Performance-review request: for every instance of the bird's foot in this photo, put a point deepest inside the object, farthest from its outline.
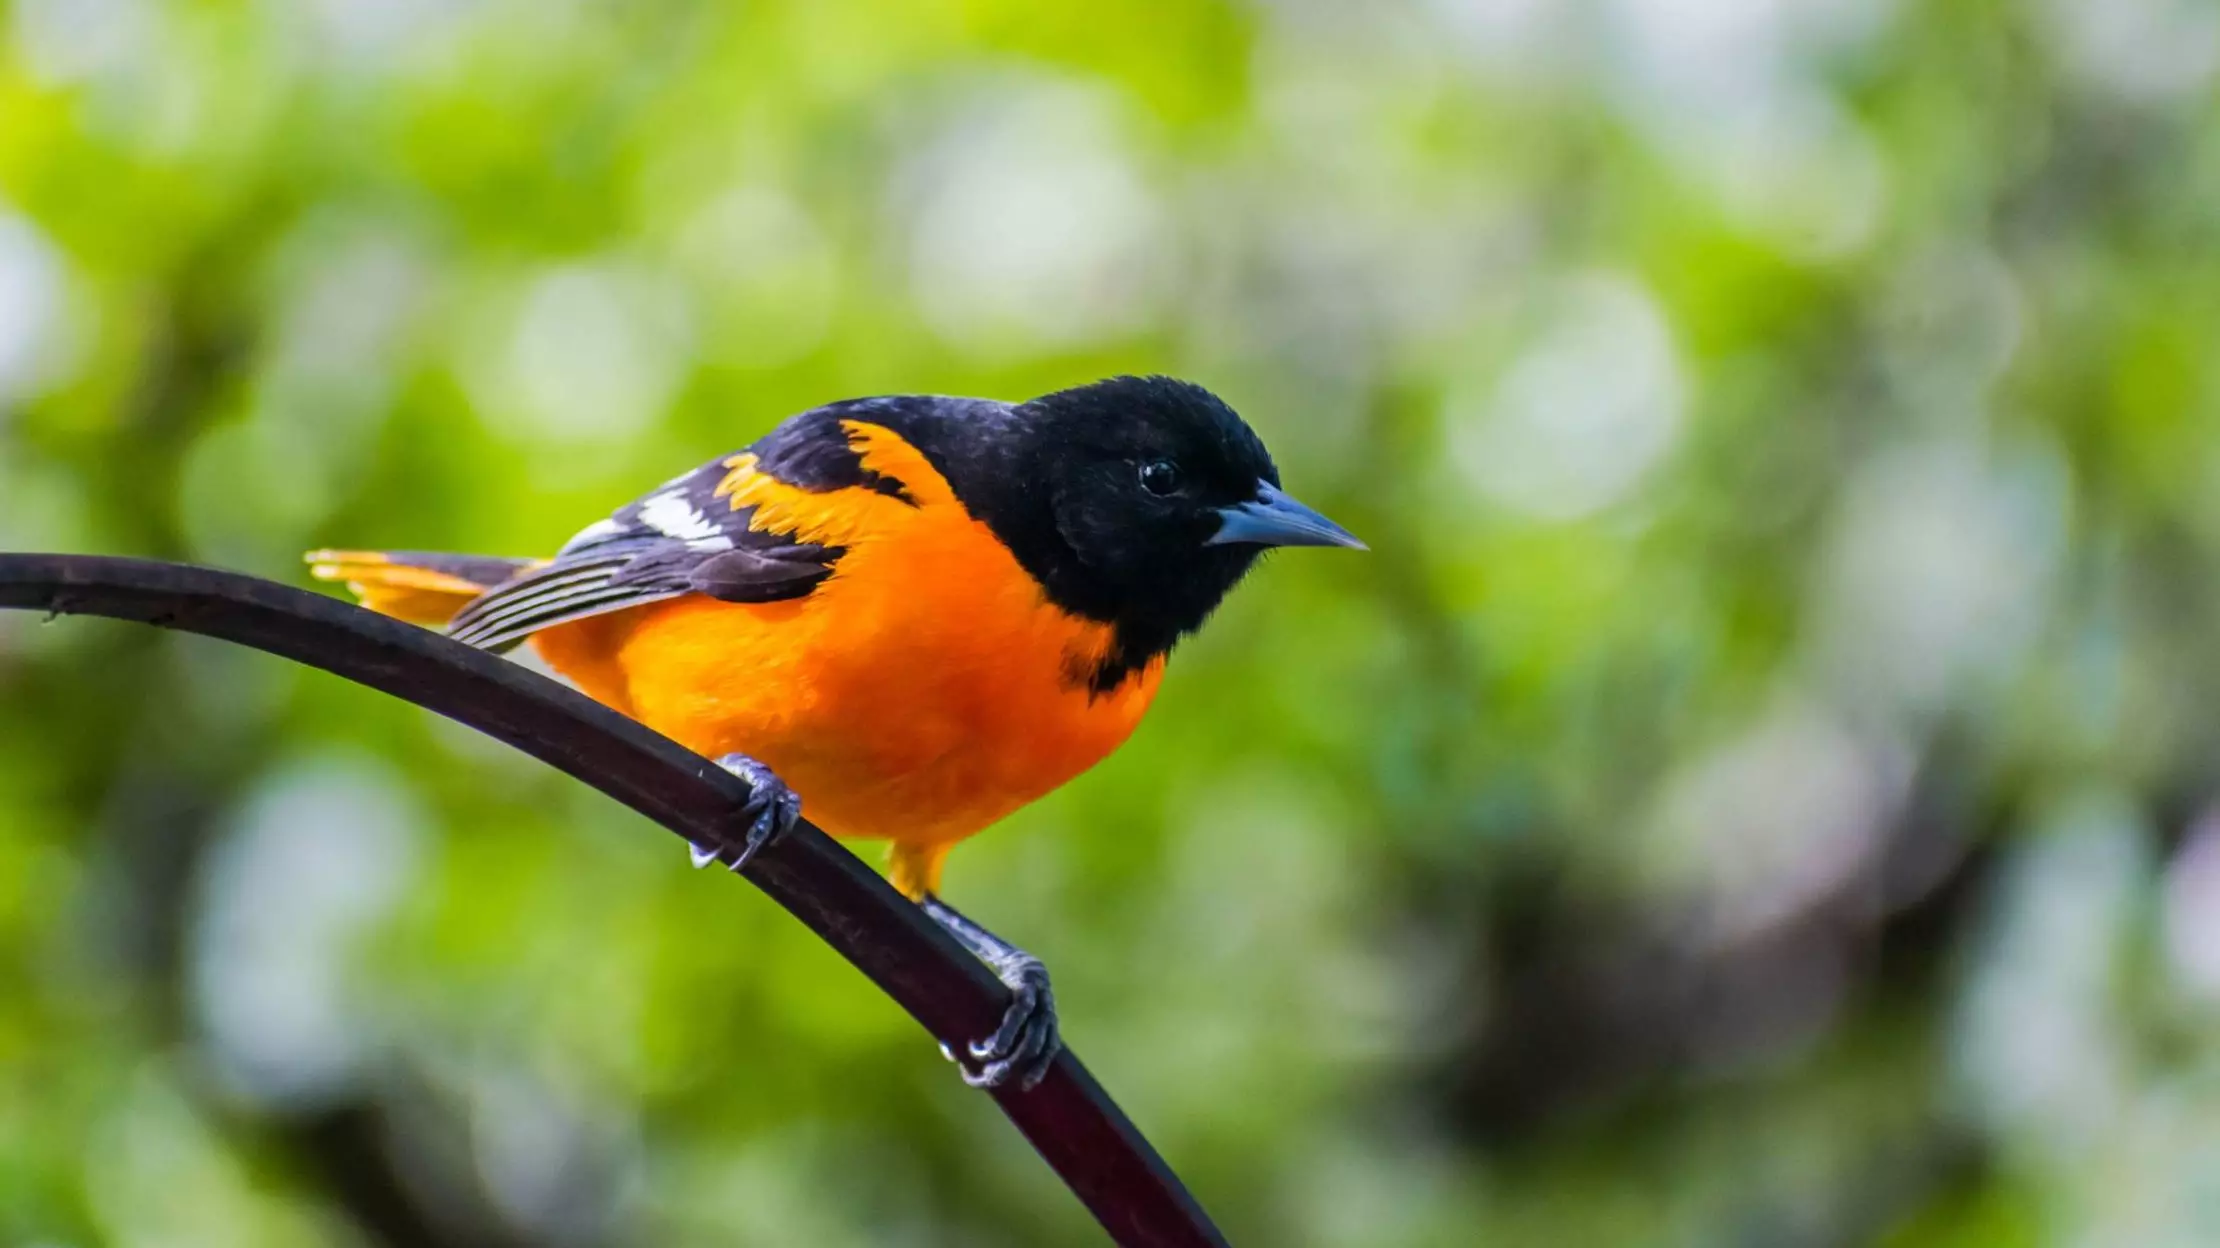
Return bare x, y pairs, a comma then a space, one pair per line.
1027, 1042
772, 811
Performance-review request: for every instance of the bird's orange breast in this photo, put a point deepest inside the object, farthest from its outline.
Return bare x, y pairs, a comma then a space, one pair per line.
926, 689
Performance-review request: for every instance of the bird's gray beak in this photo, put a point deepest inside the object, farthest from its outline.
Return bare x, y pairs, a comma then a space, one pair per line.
1274, 519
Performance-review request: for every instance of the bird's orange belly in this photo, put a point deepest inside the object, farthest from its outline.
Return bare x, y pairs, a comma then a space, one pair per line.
920, 728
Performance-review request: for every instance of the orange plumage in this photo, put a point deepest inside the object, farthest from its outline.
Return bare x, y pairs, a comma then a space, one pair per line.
916, 614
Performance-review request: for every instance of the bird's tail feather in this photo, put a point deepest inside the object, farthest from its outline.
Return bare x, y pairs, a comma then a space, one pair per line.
417, 586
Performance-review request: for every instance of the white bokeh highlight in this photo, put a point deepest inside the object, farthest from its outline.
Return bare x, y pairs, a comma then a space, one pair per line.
1728, 90
2037, 1053
1030, 224
1584, 414
318, 856
2143, 51
1777, 819
70, 41
588, 354
1938, 570
767, 277
2190, 912
33, 287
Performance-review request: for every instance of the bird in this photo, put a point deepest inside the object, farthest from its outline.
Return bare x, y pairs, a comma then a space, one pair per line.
906, 616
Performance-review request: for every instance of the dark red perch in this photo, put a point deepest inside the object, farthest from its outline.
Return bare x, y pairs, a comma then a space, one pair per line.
1069, 1119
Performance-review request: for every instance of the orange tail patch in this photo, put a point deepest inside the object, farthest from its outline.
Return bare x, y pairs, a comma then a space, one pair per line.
422, 588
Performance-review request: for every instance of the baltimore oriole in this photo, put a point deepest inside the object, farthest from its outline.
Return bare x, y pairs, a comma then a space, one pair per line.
920, 613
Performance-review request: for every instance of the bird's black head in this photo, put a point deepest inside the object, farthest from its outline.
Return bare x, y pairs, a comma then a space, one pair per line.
1141, 502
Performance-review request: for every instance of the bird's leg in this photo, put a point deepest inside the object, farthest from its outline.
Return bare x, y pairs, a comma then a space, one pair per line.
772, 811
1027, 1042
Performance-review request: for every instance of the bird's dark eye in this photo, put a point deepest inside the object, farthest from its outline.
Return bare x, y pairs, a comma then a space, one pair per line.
1160, 476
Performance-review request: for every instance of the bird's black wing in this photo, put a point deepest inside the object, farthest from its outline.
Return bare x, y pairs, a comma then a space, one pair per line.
684, 538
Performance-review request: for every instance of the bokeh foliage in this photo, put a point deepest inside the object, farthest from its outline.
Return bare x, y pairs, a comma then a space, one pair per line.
1758, 790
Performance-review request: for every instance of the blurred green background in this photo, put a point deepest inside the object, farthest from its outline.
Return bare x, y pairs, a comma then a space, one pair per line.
1759, 791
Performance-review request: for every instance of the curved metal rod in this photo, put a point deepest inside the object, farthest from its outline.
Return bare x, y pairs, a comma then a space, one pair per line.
1069, 1119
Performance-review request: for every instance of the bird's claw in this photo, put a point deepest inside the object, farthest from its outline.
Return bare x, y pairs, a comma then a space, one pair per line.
772, 811
1025, 1045
1027, 1042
